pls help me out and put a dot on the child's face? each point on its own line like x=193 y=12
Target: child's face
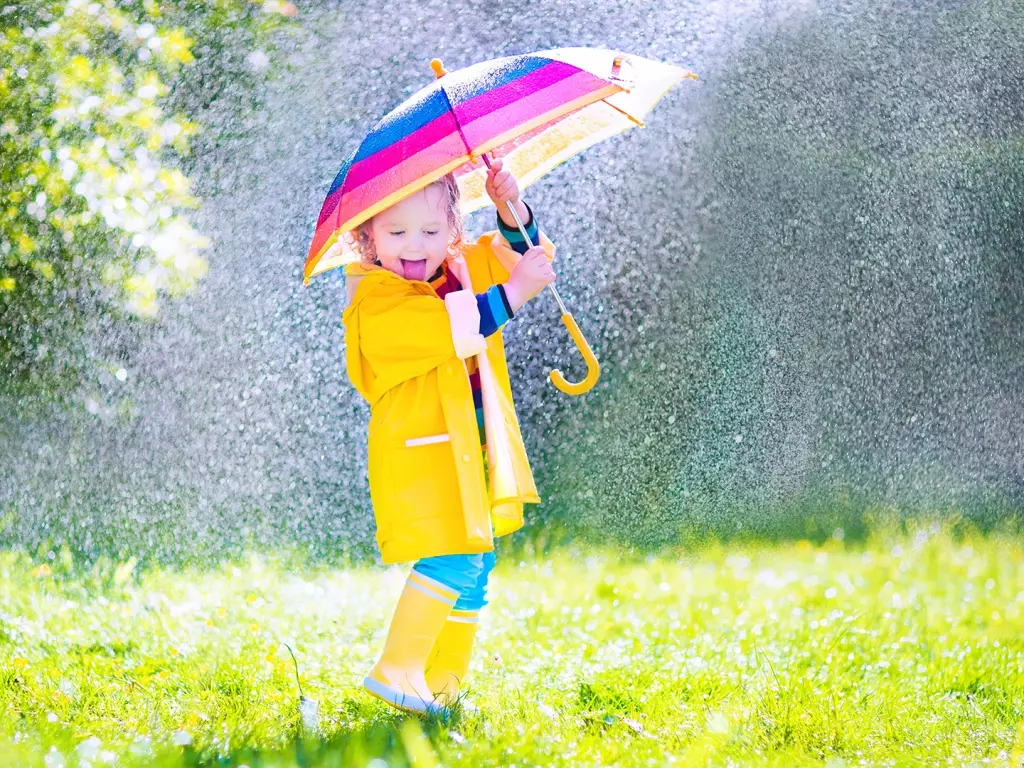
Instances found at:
x=411 y=237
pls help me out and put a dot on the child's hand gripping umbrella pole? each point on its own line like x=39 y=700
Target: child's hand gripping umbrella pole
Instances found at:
x=593 y=367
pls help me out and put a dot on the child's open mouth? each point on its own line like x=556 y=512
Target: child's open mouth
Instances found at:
x=415 y=270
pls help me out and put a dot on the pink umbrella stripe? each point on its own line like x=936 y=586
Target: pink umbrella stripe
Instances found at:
x=536 y=104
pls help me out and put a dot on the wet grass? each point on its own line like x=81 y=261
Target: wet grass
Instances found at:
x=904 y=649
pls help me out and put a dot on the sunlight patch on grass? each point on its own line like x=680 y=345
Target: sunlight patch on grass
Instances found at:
x=908 y=648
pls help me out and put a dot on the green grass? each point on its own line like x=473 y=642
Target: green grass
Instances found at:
x=907 y=649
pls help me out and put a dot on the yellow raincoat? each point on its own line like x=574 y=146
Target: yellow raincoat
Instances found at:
x=426 y=469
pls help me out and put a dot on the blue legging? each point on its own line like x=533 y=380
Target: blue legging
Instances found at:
x=466 y=574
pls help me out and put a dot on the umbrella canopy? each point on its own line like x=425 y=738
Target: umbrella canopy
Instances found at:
x=535 y=111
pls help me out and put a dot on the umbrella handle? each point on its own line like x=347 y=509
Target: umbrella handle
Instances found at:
x=593 y=367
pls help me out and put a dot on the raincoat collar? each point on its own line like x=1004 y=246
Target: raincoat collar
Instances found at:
x=356 y=271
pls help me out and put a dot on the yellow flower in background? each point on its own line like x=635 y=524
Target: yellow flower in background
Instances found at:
x=143 y=296
x=26 y=244
x=145 y=119
x=20 y=662
x=118 y=21
x=173 y=181
x=81 y=69
x=177 y=48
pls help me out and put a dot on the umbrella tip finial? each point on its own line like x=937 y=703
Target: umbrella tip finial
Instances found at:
x=438 y=67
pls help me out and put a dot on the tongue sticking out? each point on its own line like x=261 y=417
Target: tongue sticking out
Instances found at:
x=415 y=270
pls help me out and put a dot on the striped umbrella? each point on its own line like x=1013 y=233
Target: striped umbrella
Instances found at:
x=535 y=111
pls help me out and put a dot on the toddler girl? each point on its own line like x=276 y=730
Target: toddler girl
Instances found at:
x=424 y=347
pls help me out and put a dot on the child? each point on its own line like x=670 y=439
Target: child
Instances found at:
x=424 y=308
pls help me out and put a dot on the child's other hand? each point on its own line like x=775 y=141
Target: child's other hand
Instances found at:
x=501 y=185
x=529 y=276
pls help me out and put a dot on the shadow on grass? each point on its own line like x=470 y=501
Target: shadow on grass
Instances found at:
x=365 y=731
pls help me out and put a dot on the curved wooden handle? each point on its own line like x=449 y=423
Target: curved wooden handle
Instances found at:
x=593 y=367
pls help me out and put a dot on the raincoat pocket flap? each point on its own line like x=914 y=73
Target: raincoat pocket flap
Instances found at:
x=428 y=440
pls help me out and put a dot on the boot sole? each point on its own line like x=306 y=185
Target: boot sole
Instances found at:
x=404 y=701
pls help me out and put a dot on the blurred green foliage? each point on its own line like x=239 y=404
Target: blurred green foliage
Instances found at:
x=95 y=118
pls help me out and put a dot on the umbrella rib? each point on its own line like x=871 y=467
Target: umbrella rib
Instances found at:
x=624 y=112
x=455 y=117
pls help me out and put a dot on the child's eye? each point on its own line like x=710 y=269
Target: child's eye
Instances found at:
x=400 y=232
x=432 y=231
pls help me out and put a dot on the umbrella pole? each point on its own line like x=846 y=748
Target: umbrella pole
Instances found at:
x=530 y=244
x=526 y=237
x=593 y=367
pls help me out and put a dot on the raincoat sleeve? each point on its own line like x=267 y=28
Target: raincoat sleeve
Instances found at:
x=494 y=308
x=513 y=237
x=504 y=257
x=392 y=336
x=507 y=245
x=408 y=333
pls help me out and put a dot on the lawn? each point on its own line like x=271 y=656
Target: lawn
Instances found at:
x=904 y=649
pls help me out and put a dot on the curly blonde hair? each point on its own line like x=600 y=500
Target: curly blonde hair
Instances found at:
x=362 y=237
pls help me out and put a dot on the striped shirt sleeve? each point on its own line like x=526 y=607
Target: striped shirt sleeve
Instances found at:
x=515 y=237
x=494 y=308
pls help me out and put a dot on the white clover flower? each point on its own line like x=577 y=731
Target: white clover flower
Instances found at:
x=89 y=104
x=169 y=130
x=257 y=60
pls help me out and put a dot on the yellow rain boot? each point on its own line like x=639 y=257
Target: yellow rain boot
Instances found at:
x=398 y=676
x=449 y=663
